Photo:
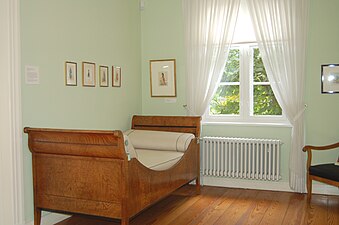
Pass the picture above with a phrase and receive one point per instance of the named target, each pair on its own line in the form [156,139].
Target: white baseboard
[323,189]
[318,188]
[247,184]
[51,219]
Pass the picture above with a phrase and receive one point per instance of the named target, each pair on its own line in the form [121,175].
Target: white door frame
[11,163]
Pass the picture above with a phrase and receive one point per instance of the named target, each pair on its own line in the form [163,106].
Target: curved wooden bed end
[87,172]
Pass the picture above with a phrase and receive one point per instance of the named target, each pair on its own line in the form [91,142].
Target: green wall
[105,32]
[322,113]
[163,37]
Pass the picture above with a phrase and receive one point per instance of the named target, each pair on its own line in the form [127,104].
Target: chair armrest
[325,147]
[309,149]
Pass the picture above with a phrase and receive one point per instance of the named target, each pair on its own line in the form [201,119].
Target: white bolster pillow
[159,140]
[130,151]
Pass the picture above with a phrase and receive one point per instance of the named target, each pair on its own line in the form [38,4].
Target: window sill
[247,124]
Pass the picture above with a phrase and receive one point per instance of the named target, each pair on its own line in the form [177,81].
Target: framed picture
[330,78]
[116,76]
[163,78]
[103,76]
[88,74]
[71,74]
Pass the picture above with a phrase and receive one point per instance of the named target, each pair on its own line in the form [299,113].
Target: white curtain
[209,28]
[280,27]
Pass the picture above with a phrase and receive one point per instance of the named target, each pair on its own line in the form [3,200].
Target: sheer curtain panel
[209,28]
[280,27]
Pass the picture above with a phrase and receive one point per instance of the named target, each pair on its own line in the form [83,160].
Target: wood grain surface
[88,172]
[230,206]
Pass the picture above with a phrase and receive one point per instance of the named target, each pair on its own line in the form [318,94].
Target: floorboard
[228,206]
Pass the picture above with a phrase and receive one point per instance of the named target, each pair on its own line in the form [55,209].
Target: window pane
[264,101]
[226,100]
[259,72]
[231,72]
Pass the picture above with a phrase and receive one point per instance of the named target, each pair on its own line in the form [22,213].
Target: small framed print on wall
[103,76]
[70,74]
[116,76]
[163,78]
[88,74]
[330,78]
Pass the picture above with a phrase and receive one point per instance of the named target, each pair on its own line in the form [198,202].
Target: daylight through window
[244,92]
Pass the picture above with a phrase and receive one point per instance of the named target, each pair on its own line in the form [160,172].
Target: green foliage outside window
[231,71]
[226,100]
[264,101]
[259,72]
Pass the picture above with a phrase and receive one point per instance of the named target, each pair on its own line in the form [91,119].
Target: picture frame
[71,77]
[330,78]
[163,78]
[88,74]
[103,76]
[116,76]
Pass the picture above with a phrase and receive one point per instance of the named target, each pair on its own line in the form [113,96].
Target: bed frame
[87,171]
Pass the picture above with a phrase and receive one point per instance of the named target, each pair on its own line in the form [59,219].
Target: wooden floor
[229,206]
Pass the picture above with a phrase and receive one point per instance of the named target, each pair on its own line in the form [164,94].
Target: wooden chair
[326,173]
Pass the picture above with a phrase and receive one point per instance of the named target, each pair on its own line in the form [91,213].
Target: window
[244,93]
[263,100]
[226,100]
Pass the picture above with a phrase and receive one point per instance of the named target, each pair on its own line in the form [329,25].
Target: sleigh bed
[95,173]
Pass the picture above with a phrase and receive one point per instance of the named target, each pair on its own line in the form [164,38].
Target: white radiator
[245,158]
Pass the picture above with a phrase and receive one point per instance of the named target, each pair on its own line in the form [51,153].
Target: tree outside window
[244,89]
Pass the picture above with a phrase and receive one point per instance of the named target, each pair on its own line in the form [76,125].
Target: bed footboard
[77,171]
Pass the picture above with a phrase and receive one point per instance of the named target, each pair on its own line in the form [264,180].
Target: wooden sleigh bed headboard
[181,124]
[88,172]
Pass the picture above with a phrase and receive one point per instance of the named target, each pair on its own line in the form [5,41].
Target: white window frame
[246,95]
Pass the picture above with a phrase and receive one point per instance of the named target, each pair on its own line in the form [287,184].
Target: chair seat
[328,171]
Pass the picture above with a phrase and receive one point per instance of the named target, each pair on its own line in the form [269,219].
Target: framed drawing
[71,74]
[103,76]
[116,76]
[163,78]
[330,78]
[88,74]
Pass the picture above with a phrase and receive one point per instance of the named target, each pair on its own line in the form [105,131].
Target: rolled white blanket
[159,140]
[130,151]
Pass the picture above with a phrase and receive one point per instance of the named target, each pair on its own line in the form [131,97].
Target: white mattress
[158,160]
[157,150]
